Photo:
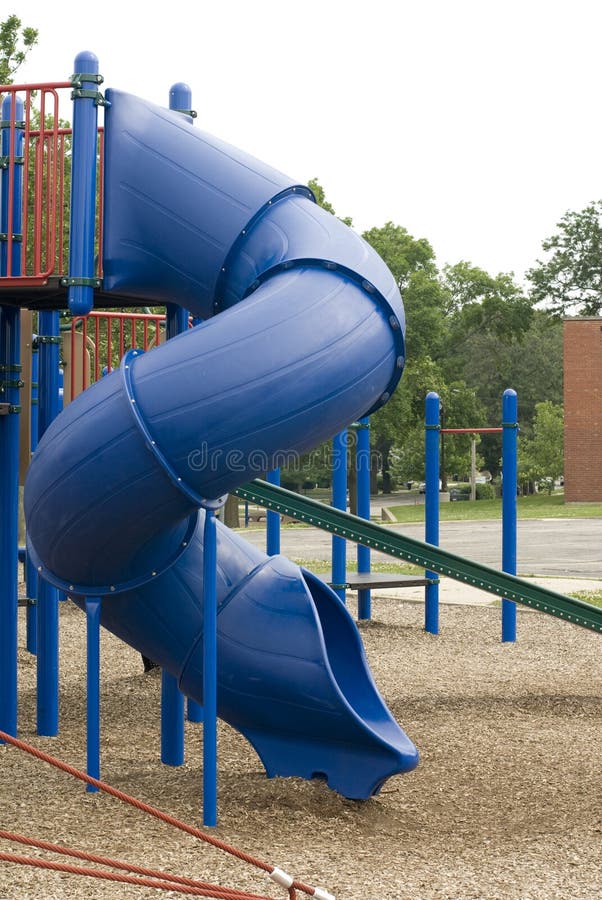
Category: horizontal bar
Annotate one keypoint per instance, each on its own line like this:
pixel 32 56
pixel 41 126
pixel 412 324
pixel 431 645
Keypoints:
pixel 471 430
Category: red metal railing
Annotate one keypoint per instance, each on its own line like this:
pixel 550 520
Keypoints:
pixel 45 193
pixel 96 343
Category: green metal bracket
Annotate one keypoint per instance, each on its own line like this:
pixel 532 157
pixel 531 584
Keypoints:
pixel 46 339
pixel 187 112
pixel 4 236
pixel 6 160
pixel 72 280
pixel 78 79
pixel 8 409
pixel 427 556
pixel 79 93
pixel 6 123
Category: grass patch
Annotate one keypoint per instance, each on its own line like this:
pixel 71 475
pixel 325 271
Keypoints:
pixel 321 566
pixel 537 506
pixel 592 597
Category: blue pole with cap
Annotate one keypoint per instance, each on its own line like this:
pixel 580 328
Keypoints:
pixel 431 500
pixel 10 384
pixel 509 504
pixel 82 279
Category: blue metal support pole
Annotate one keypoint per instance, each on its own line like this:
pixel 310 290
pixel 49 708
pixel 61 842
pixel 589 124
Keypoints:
pixel 93 688
pixel 339 501
pixel 48 619
pixel 172 721
pixel 210 669
pixel 509 504
pixel 431 500
pixel 273 520
pixel 82 232
pixel 172 700
pixel 31 576
pixel 362 464
pixel 11 223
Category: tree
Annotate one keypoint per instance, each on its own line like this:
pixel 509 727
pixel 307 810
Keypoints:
pixel 478 302
pixel 320 195
pixel 15 44
pixel 542 456
pixel 570 281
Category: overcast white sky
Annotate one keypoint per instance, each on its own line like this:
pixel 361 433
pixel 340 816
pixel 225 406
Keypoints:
pixel 474 124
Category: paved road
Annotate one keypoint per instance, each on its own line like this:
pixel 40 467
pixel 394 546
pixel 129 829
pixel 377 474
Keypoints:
pixel 560 547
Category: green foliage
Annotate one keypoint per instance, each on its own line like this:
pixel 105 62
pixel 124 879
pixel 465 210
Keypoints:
pixel 480 303
pixel 541 458
pixel 402 253
pixel 569 281
pixel 484 492
pixel 318 192
pixel 15 44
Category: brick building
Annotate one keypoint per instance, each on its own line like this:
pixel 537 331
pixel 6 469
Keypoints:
pixel 583 409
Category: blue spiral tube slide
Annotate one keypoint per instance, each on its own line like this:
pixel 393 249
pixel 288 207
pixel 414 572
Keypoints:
pixel 302 333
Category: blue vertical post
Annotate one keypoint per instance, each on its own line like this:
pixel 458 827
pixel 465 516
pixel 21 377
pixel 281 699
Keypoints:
pixel 339 501
pixel 81 280
pixel 172 701
pixel 362 464
pixel 172 721
pixel 210 669
pixel 273 520
pixel 31 576
pixel 509 509
pixel 93 688
pixel 10 368
pixel 47 618
pixel 431 500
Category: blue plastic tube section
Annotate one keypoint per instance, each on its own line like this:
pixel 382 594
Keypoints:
pixel 431 499
pixel 509 508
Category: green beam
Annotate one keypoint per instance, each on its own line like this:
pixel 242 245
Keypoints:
pixel 427 556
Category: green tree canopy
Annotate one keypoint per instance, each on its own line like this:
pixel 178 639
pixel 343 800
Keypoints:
pixel 569 281
pixel 542 457
pixel 478 302
pixel 15 44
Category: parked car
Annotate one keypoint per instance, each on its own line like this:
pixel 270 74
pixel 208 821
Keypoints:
pixel 422 487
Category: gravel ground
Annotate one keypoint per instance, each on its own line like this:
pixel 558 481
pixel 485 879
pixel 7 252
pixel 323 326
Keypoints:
pixel 504 804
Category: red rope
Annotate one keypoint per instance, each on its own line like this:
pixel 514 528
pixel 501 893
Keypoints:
pixel 152 811
pixel 125 879
pixel 217 890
